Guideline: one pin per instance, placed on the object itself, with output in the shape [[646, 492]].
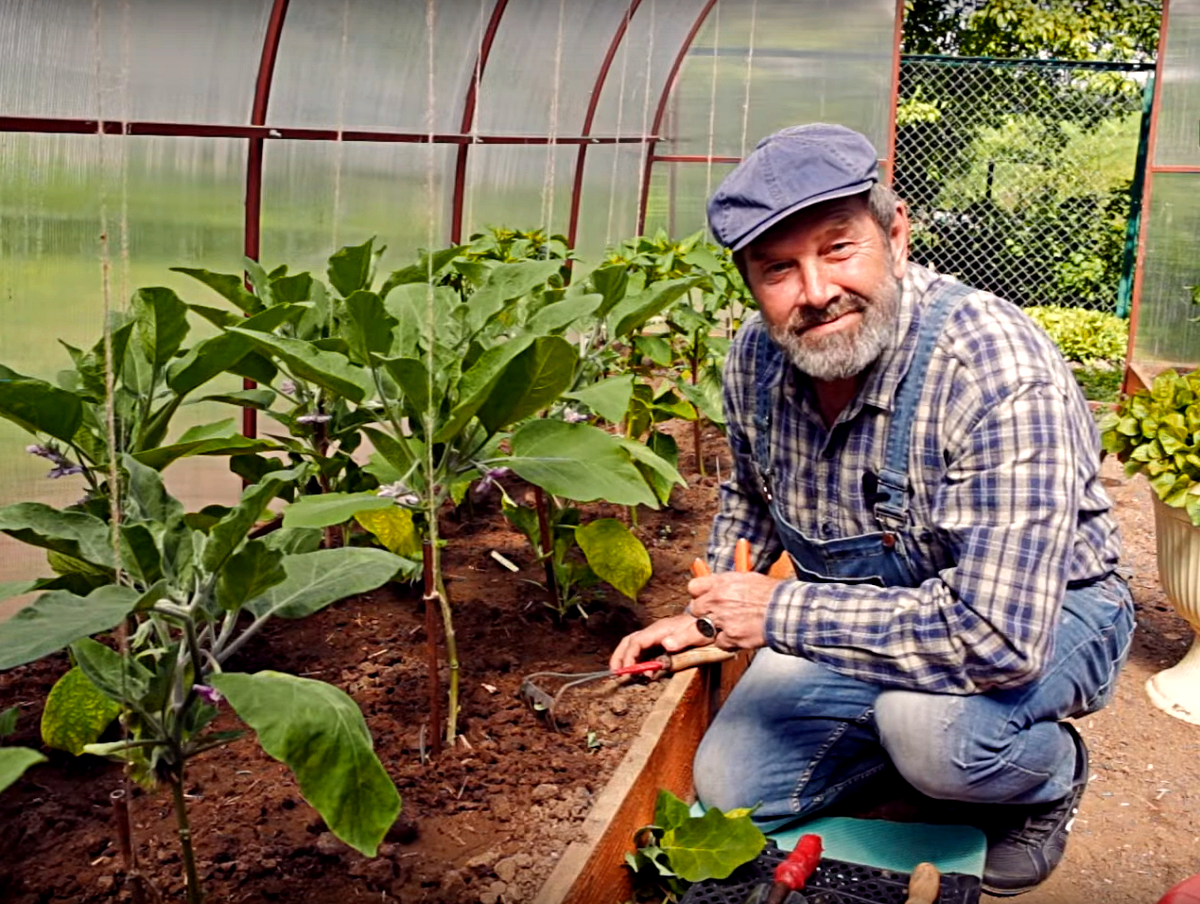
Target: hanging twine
[[552, 144]]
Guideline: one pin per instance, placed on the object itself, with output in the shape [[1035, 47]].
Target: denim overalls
[[795, 735], [875, 558]]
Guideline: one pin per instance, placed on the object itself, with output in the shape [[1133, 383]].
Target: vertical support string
[[712, 113], [749, 70], [552, 144], [476, 77], [616, 148], [339, 145], [643, 188]]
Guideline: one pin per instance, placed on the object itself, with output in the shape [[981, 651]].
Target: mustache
[[805, 318]]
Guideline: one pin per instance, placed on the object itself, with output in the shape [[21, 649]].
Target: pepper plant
[[197, 587]]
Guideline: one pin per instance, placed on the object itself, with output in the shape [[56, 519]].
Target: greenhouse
[[371, 396]]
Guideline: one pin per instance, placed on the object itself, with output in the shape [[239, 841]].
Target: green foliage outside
[[1081, 335]]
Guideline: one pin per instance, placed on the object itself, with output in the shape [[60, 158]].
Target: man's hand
[[737, 605], [678, 632]]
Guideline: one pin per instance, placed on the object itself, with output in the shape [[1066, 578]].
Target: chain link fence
[[1020, 174]]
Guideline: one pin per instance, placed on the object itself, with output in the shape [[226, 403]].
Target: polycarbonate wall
[[1165, 334], [567, 91]]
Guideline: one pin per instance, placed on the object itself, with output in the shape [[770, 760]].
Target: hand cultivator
[[546, 702]]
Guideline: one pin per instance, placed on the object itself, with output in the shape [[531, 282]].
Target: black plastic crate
[[833, 882]]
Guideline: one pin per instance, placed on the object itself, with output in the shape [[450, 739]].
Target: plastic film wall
[[1165, 334], [137, 135]]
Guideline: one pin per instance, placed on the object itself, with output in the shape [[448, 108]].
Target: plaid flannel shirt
[[1006, 509]]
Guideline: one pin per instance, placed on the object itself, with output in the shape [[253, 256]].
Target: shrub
[[1083, 335]]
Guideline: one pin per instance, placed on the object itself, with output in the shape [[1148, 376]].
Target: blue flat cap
[[786, 172]]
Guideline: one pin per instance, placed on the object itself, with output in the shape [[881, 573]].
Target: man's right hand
[[679, 632]]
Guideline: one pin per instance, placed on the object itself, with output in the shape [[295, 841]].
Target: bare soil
[[485, 822]]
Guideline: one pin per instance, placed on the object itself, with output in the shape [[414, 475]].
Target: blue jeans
[[795, 736]]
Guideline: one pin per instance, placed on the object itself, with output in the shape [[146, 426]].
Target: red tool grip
[[652, 665], [700, 568], [800, 863]]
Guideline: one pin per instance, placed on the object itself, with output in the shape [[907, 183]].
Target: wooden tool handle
[[689, 659], [924, 884]]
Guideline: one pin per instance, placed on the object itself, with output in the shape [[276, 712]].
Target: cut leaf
[[76, 713], [319, 732], [712, 846]]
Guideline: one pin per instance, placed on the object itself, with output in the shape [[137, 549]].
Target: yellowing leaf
[[76, 713], [394, 528], [616, 555]]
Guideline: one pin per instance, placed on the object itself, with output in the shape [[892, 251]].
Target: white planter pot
[[1177, 690]]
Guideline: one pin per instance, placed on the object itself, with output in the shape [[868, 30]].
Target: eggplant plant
[[457, 376], [192, 589], [152, 374]]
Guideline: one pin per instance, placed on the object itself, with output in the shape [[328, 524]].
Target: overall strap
[[891, 501], [768, 369]]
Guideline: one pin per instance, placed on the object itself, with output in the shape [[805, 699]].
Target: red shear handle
[[795, 870]]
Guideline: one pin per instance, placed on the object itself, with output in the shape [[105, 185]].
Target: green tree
[[1125, 30]]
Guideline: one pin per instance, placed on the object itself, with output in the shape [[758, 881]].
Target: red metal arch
[[589, 118], [660, 111], [470, 101]]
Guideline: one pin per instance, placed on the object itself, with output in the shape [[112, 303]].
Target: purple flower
[[489, 480], [401, 493], [64, 471], [208, 694], [48, 452], [287, 387], [314, 419], [574, 417]]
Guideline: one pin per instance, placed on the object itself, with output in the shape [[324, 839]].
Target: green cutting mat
[[897, 846]]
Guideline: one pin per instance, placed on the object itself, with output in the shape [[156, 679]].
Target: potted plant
[[1156, 431]]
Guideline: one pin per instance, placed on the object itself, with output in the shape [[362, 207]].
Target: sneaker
[[1021, 854]]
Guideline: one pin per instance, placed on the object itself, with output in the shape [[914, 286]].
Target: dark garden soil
[[486, 821], [483, 822]]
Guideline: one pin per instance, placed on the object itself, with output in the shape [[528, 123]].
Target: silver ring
[[707, 627]]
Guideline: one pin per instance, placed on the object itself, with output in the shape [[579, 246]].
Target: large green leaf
[[577, 461], [74, 534], [220, 438], [56, 619], [76, 713], [394, 528], [120, 678], [227, 535], [712, 846], [705, 395], [369, 328], [633, 311], [316, 579], [38, 406], [413, 379], [534, 379], [139, 554], [669, 811], [213, 356], [14, 761], [350, 268], [329, 370], [397, 452], [477, 383], [616, 555], [162, 323], [227, 285], [248, 573], [320, 734], [504, 283], [329, 509], [608, 398], [560, 315], [423, 271]]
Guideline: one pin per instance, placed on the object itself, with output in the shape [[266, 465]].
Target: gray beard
[[846, 353]]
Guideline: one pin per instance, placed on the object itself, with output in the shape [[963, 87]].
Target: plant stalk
[[435, 690], [696, 422], [546, 545], [124, 840], [447, 629], [194, 892]]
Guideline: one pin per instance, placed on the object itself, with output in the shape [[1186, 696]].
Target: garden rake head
[[545, 703]]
